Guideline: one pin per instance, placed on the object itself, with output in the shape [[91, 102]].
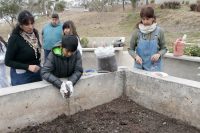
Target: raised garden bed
[[119, 116]]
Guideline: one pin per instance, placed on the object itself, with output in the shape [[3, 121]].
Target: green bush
[[193, 50], [59, 7], [195, 7], [171, 5], [170, 49], [133, 3], [162, 6], [84, 42], [152, 1], [198, 5], [190, 50]]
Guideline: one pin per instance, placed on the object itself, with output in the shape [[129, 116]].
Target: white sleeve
[[2, 54], [1, 58], [79, 47]]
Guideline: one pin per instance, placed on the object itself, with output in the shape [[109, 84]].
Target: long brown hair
[[70, 24], [147, 12], [25, 17]]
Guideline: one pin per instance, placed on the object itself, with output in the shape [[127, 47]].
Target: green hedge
[[190, 50], [171, 5], [193, 50], [84, 42]]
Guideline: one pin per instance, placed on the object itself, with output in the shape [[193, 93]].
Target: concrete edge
[[174, 97], [36, 85], [93, 49], [49, 103], [183, 57], [169, 78], [30, 106]]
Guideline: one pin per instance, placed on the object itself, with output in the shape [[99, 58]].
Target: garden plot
[[92, 109], [122, 115]]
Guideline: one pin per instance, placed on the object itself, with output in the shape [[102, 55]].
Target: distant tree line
[[9, 9]]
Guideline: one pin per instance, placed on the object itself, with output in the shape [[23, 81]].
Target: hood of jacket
[[57, 51]]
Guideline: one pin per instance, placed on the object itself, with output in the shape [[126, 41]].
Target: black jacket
[[58, 66], [19, 54]]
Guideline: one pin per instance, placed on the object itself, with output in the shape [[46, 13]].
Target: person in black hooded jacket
[[64, 61]]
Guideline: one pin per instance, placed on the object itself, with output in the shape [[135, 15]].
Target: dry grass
[[179, 22], [119, 23]]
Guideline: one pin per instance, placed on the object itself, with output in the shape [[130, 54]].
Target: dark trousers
[[24, 78]]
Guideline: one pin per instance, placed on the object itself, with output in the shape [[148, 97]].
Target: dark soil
[[119, 116]]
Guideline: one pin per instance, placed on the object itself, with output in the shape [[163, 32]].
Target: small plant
[[193, 50], [162, 6], [84, 42], [59, 7], [177, 22], [193, 7], [170, 49], [171, 5], [152, 1], [133, 3], [190, 50]]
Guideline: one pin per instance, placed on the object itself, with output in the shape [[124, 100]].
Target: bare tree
[[133, 2], [123, 5], [9, 10], [98, 5], [39, 6]]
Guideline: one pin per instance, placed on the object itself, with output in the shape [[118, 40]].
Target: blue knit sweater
[[51, 35]]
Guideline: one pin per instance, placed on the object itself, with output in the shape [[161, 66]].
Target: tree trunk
[[147, 2], [123, 5]]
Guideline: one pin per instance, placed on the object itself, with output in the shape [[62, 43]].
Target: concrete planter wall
[[95, 42], [34, 103], [175, 97], [183, 67], [90, 59], [187, 67]]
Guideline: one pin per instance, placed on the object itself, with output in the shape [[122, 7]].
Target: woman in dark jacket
[[23, 51]]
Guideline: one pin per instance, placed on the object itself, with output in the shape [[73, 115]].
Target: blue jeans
[[24, 78], [3, 77]]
